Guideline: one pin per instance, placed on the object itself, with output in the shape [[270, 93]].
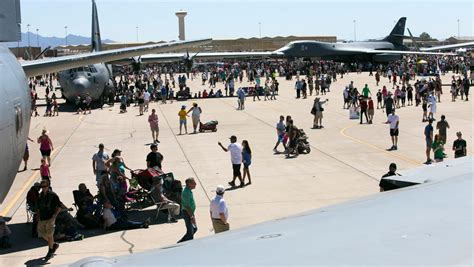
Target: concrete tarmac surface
[[346, 162]]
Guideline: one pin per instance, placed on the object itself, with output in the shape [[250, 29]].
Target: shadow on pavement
[[22, 240]]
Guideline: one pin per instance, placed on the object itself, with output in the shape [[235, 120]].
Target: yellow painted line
[[25, 186], [391, 154]]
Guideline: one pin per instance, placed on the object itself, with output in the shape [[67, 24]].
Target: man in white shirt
[[219, 211], [394, 121], [146, 98], [432, 102], [98, 163], [236, 158]]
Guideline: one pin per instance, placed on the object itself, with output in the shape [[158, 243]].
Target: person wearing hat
[[318, 113], [219, 211], [49, 207], [459, 146], [98, 163], [182, 120], [235, 150]]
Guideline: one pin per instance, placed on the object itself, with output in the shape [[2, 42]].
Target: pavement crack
[[130, 249]]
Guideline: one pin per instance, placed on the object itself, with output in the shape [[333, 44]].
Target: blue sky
[[225, 19]]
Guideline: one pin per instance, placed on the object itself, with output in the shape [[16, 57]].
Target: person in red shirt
[[371, 110], [363, 109]]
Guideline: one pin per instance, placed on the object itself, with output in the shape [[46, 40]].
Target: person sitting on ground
[[32, 204], [5, 233], [112, 223], [66, 226], [86, 217]]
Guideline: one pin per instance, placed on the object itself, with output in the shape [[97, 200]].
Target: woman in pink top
[[46, 146], [44, 170]]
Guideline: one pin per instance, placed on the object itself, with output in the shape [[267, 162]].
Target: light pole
[[137, 33], [65, 30], [355, 39], [37, 38], [29, 47], [458, 28]]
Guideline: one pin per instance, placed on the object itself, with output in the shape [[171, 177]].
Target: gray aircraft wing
[[173, 57], [38, 67], [448, 47], [391, 52], [426, 224]]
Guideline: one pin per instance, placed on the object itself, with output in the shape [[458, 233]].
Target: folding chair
[[160, 205]]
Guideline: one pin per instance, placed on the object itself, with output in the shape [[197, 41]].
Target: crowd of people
[[108, 208]]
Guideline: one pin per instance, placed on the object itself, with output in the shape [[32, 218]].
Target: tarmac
[[346, 162]]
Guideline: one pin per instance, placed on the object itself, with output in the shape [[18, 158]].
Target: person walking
[[195, 115], [46, 146], [371, 110], [49, 207], [241, 99], [459, 146], [394, 121], [219, 211], [429, 140], [235, 150], [442, 127], [246, 160], [98, 164], [281, 129], [183, 120], [153, 121], [188, 207]]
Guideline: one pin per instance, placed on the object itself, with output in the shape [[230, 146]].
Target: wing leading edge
[[38, 67]]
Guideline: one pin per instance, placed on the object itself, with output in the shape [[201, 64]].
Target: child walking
[[246, 160]]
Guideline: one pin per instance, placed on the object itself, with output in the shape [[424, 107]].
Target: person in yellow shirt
[[182, 119]]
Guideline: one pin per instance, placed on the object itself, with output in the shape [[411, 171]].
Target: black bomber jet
[[389, 49]]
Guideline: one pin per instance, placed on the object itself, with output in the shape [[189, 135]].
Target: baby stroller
[[302, 144], [208, 126], [141, 184]]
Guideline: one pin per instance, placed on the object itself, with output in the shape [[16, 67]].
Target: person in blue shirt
[[246, 160]]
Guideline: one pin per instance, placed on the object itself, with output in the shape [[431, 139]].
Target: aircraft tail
[[95, 37], [398, 33], [10, 20]]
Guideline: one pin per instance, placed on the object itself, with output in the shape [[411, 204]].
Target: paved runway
[[346, 161]]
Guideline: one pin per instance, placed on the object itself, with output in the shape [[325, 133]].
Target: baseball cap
[[220, 189], [233, 137], [117, 151]]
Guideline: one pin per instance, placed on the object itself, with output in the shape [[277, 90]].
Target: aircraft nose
[[81, 84]]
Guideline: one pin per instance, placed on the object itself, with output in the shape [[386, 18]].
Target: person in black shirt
[[384, 184], [49, 207], [459, 146], [154, 158]]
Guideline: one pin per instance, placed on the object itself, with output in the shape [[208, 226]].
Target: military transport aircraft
[[15, 110], [389, 49]]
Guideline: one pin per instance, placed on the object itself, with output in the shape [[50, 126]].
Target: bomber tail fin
[[95, 36], [10, 20], [397, 34]]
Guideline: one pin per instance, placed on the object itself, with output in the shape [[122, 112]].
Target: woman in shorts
[[46, 146], [246, 160]]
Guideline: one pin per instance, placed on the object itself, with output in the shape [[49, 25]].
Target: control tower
[[181, 14]]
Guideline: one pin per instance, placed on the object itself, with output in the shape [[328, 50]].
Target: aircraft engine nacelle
[[385, 58]]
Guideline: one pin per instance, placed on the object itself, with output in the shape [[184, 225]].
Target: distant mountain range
[[53, 41]]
